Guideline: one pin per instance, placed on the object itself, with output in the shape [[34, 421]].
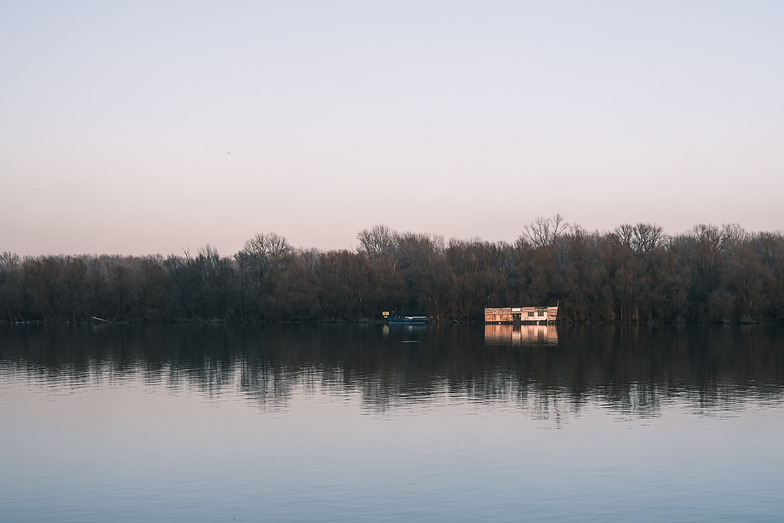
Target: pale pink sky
[[154, 127]]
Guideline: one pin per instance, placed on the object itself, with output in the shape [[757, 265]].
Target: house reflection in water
[[520, 335]]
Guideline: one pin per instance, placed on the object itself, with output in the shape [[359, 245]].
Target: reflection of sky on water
[[135, 448]]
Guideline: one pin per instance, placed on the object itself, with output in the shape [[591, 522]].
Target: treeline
[[635, 273]]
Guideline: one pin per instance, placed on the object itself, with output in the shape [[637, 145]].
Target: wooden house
[[522, 315]]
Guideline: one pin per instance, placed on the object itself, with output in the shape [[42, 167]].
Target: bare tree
[[262, 255], [268, 245], [733, 235], [648, 237], [545, 231], [624, 234], [708, 241], [378, 241], [640, 238], [261, 252]]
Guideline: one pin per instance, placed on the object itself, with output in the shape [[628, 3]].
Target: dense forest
[[635, 273]]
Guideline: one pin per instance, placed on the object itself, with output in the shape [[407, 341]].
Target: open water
[[376, 423]]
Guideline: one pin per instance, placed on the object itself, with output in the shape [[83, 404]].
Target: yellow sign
[[385, 314]]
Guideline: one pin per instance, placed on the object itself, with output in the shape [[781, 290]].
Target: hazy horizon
[[152, 128]]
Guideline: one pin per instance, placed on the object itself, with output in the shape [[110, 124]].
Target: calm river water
[[369, 423]]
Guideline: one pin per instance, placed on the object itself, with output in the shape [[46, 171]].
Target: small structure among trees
[[522, 315]]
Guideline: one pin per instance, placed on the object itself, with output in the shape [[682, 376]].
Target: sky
[[156, 127]]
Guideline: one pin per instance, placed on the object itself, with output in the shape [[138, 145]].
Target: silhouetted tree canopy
[[635, 273]]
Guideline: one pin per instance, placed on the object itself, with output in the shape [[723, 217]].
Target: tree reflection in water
[[549, 372]]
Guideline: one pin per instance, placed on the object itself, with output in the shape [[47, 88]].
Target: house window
[[530, 314], [541, 313]]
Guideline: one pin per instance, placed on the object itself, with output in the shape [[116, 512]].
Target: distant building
[[522, 315]]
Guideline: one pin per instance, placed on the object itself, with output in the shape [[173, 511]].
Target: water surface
[[362, 423]]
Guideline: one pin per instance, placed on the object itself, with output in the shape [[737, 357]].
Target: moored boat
[[408, 320]]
